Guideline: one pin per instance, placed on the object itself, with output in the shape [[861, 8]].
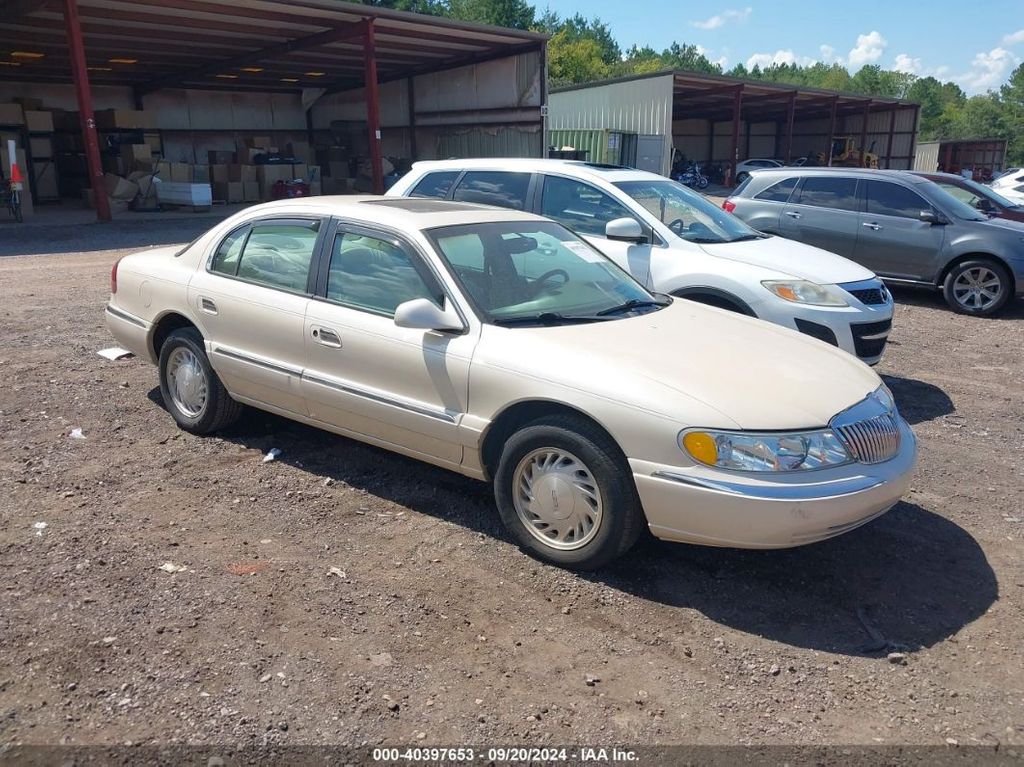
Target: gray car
[[903, 227]]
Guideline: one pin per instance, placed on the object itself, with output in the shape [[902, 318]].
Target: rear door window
[[276, 254], [779, 191], [435, 184], [833, 192], [579, 206], [505, 190], [886, 199]]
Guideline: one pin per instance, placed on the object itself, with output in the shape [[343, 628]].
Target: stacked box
[[250, 191], [38, 121], [228, 191], [239, 172]]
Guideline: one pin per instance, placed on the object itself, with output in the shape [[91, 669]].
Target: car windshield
[[687, 213], [535, 272]]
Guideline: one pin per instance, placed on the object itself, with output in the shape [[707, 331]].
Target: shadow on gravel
[[134, 235], [919, 401], [932, 299], [905, 581]]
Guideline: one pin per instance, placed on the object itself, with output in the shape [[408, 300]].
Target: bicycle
[[11, 197]]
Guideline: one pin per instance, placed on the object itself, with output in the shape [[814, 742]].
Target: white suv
[[673, 240]]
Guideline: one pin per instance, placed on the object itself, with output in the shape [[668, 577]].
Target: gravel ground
[[341, 594]]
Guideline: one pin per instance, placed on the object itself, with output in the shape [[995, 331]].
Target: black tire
[[741, 177], [961, 303], [622, 519], [219, 410]]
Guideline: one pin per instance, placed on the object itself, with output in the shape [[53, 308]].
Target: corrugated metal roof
[[260, 45]]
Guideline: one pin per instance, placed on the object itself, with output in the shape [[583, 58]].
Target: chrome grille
[[872, 440]]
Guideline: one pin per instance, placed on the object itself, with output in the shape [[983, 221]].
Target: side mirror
[[928, 217], [424, 314], [625, 230], [985, 205]]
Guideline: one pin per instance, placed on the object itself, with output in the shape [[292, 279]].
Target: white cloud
[[868, 50], [724, 18], [1016, 37], [988, 70], [904, 63], [786, 56], [828, 54]]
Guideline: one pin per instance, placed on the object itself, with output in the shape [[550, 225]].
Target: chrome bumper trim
[[819, 491], [121, 315]]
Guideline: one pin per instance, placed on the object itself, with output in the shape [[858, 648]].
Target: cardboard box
[[299, 150], [248, 156], [219, 174], [268, 175], [257, 142], [136, 156], [11, 114], [120, 119], [162, 170], [219, 157], [116, 206], [41, 146], [250, 191], [38, 122], [147, 187], [315, 189], [114, 164], [44, 179], [228, 191], [29, 103], [154, 142], [118, 188], [181, 173], [313, 174], [200, 174], [338, 169], [300, 170], [238, 172]]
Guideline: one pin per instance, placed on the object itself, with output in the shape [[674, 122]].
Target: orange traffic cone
[[16, 179]]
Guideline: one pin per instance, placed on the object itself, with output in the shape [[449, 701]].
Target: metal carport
[[309, 47]]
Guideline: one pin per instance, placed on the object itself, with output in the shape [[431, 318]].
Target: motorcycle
[[691, 176]]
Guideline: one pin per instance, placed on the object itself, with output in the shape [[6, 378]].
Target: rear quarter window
[[435, 184], [779, 191]]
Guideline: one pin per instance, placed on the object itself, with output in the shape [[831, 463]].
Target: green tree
[[572, 61], [515, 14]]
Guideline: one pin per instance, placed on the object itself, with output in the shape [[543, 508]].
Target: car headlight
[[747, 451], [803, 292]]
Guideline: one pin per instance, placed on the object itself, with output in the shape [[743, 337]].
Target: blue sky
[[975, 44]]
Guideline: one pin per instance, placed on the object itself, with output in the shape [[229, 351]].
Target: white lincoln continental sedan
[[500, 345]]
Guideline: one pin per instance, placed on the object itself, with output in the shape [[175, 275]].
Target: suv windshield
[[534, 272], [972, 190], [951, 204], [687, 213]]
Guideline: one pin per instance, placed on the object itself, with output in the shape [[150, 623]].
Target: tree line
[[584, 50]]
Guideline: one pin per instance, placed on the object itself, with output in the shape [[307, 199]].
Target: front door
[[251, 303], [824, 212], [894, 241], [403, 387], [586, 210]]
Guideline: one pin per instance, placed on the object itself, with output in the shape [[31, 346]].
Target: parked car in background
[[745, 167], [500, 345], [673, 240], [1011, 185], [902, 226], [980, 197]]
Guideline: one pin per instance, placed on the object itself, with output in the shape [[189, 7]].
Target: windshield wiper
[[544, 318], [633, 303], [747, 237]]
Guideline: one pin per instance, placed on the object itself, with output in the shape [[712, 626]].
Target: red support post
[[913, 137], [832, 127], [864, 130], [892, 134], [790, 118], [734, 154], [373, 106], [83, 92]]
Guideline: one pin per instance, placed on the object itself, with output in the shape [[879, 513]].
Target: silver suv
[[903, 227]]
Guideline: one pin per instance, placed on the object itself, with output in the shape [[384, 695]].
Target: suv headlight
[[774, 452], [803, 292]]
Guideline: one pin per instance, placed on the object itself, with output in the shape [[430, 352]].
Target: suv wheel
[[566, 494], [980, 287], [741, 177]]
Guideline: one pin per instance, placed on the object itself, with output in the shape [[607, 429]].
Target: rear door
[[824, 212], [894, 242], [251, 300]]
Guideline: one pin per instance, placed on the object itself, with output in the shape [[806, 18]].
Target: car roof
[[405, 213], [592, 171], [906, 175]]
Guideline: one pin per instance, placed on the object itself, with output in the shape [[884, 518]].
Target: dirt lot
[[434, 629]]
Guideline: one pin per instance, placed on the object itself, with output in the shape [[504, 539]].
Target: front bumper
[[717, 508]]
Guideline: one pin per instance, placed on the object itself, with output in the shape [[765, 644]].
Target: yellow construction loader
[[846, 155]]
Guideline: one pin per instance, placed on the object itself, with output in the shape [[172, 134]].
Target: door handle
[[876, 227], [793, 214], [207, 305], [327, 337]]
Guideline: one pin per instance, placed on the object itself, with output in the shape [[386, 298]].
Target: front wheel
[[742, 176], [980, 287], [702, 182], [566, 493], [191, 390]]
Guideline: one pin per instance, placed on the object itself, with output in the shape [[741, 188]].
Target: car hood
[[692, 363], [1014, 227], [793, 258]]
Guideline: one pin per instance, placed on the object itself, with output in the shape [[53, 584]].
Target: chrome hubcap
[[187, 382], [557, 498], [977, 288]]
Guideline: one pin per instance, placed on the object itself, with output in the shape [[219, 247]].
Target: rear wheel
[[742, 176], [191, 390], [980, 287], [566, 493]]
